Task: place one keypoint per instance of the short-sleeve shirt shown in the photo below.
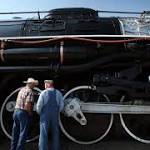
(25, 95)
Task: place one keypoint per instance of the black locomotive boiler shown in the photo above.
(101, 64)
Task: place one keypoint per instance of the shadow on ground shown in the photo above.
(103, 145)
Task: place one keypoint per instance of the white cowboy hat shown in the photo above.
(31, 80)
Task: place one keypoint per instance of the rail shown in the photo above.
(72, 36)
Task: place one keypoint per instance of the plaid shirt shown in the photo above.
(25, 95)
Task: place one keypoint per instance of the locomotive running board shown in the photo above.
(114, 108)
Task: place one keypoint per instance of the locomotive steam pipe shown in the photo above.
(67, 68)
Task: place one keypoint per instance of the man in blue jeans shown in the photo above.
(49, 104)
(21, 116)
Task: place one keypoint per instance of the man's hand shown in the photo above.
(28, 107)
(30, 113)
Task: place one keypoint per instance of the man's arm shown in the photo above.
(39, 104)
(60, 101)
(29, 102)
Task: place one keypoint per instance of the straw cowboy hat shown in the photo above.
(31, 80)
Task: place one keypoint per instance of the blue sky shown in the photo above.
(39, 5)
(24, 5)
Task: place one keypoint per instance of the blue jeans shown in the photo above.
(53, 126)
(49, 121)
(20, 129)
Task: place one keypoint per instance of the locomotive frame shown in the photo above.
(113, 65)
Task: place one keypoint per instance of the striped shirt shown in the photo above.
(25, 95)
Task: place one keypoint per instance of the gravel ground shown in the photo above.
(103, 145)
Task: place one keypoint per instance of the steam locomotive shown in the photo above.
(101, 64)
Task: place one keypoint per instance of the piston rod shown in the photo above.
(114, 108)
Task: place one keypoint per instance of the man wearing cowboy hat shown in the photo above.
(21, 116)
(49, 104)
